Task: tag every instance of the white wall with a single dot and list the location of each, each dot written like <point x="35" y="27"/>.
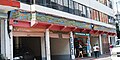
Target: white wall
<point x="60" y="46"/>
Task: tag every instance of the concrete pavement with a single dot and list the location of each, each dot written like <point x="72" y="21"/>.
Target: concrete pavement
<point x="102" y="57"/>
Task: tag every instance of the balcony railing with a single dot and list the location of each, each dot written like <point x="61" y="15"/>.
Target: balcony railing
<point x="71" y="7"/>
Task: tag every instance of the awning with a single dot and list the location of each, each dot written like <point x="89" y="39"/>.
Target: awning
<point x="57" y="27"/>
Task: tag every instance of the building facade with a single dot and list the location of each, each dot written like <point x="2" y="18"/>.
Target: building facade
<point x="5" y="7"/>
<point x="52" y="29"/>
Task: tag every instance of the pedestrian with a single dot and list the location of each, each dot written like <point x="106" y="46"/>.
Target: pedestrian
<point x="96" y="50"/>
<point x="111" y="46"/>
<point x="80" y="48"/>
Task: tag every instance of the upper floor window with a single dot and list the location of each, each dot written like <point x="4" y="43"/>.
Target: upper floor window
<point x="40" y="2"/>
<point x="75" y="8"/>
<point x="26" y="1"/>
<point x="106" y="2"/>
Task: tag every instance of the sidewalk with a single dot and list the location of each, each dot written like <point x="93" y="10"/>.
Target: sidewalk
<point x="102" y="57"/>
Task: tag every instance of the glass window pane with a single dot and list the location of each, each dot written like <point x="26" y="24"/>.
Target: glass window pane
<point x="88" y="12"/>
<point x="84" y="11"/>
<point x="80" y="9"/>
<point x="48" y="4"/>
<point x="60" y="2"/>
<point x="76" y="8"/>
<point x="65" y="3"/>
<point x="70" y="5"/>
<point x="54" y="4"/>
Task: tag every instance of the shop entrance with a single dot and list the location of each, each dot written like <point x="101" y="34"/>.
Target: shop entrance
<point x="27" y="48"/>
<point x="82" y="45"/>
<point x="82" y="40"/>
<point x="60" y="48"/>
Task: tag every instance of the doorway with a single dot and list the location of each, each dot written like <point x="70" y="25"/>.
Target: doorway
<point x="27" y="47"/>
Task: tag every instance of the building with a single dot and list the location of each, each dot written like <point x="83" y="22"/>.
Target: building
<point x="118" y="25"/>
<point x="51" y="29"/>
<point x="5" y="7"/>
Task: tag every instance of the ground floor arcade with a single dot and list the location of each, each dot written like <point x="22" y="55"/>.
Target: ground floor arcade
<point x="50" y="41"/>
<point x="45" y="44"/>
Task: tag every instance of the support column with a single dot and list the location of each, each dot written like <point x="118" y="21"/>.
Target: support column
<point x="11" y="42"/>
<point x="3" y="37"/>
<point x="101" y="48"/>
<point x="116" y="38"/>
<point x="7" y="42"/>
<point x="43" y="48"/>
<point x="109" y="39"/>
<point x="89" y="47"/>
<point x="47" y="38"/>
<point x="72" y="45"/>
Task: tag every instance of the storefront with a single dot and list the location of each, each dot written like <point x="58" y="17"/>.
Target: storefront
<point x="28" y="43"/>
<point x="57" y="32"/>
<point x="84" y="40"/>
<point x="59" y="45"/>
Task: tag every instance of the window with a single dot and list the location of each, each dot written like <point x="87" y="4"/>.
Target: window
<point x="80" y="9"/>
<point x="65" y="5"/>
<point x="26" y="1"/>
<point x="97" y="16"/>
<point x="92" y="13"/>
<point x="76" y="8"/>
<point x="54" y="4"/>
<point x="48" y="3"/>
<point x="84" y="11"/>
<point x="70" y="4"/>
<point x="60" y="4"/>
<point x="118" y="42"/>
<point x="88" y="13"/>
<point x="40" y="2"/>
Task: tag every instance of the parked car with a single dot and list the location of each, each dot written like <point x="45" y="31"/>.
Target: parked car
<point x="115" y="51"/>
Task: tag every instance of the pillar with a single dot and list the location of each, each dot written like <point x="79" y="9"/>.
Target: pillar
<point x="101" y="48"/>
<point x="109" y="39"/>
<point x="11" y="42"/>
<point x="3" y="37"/>
<point x="43" y="48"/>
<point x="47" y="42"/>
<point x="89" y="47"/>
<point x="72" y="45"/>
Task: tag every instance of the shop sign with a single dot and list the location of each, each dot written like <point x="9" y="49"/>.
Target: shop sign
<point x="60" y="20"/>
<point x="20" y="15"/>
<point x="101" y="28"/>
<point x="82" y="34"/>
<point x="24" y="15"/>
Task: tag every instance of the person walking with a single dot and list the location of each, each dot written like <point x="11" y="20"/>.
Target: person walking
<point x="80" y="50"/>
<point x="96" y="50"/>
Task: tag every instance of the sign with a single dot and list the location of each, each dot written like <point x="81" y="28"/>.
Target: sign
<point x="60" y="20"/>
<point x="82" y="34"/>
<point x="102" y="28"/>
